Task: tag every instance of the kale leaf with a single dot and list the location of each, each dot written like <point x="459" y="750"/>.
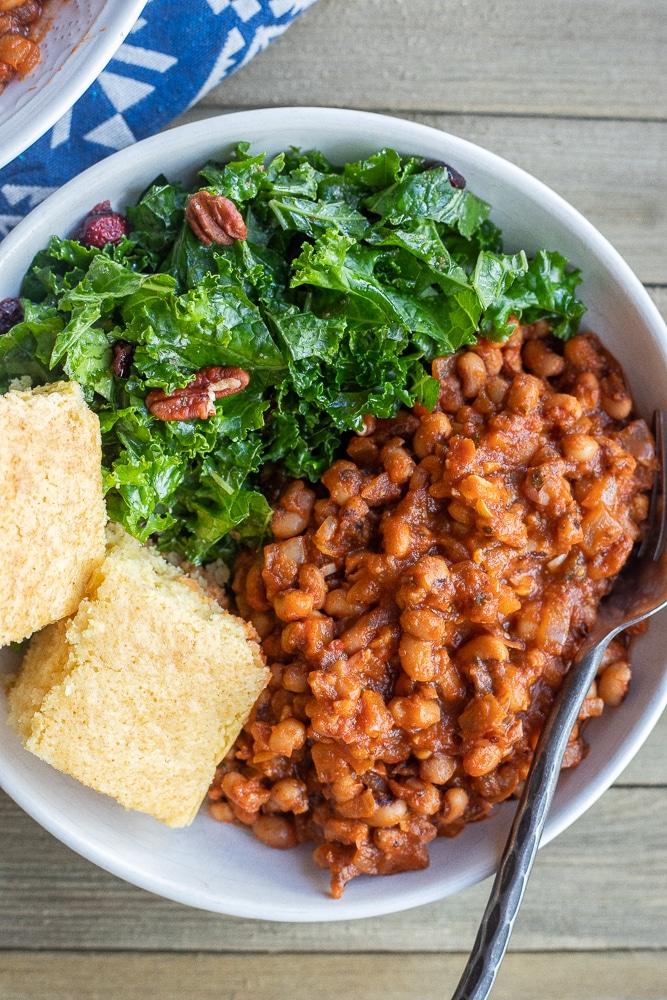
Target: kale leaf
<point x="352" y="280"/>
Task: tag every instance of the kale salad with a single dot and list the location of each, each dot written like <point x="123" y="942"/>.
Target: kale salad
<point x="350" y="280"/>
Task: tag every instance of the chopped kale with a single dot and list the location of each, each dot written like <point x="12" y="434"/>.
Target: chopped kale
<point x="352" y="280"/>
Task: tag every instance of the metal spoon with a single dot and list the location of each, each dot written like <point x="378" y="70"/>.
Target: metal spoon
<point x="640" y="592"/>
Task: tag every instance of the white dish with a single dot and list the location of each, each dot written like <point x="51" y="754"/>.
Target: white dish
<point x="81" y="38"/>
<point x="222" y="868"/>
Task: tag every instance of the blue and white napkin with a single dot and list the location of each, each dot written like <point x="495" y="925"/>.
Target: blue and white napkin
<point x="175" y="53"/>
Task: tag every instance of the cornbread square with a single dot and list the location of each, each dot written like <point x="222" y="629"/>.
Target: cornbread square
<point x="52" y="506"/>
<point x="141" y="693"/>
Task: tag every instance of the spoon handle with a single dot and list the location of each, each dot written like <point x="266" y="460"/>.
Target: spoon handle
<point x="524" y="838"/>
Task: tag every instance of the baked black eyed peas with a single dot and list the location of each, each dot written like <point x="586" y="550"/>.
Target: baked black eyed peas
<point x="19" y="52"/>
<point x="420" y="607"/>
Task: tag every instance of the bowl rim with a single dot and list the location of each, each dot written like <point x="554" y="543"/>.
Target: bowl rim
<point x="59" y="92"/>
<point x="203" y="131"/>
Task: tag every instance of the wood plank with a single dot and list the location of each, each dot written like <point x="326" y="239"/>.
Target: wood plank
<point x="629" y="975"/>
<point x="601" y="884"/>
<point x="601" y="58"/>
<point x="649" y="766"/>
<point x="659" y="296"/>
<point x="611" y="171"/>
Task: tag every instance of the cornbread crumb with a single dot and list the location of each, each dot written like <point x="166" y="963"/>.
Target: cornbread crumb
<point x="53" y="511"/>
<point x="22" y="382"/>
<point x="44" y="665"/>
<point x="141" y="693"/>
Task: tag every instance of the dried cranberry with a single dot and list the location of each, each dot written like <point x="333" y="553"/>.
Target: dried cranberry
<point x="456" y="179"/>
<point x="123" y="352"/>
<point x="102" y="226"/>
<point x="11" y="313"/>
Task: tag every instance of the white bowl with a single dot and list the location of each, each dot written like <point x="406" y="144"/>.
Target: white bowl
<point x="222" y="868"/>
<point x="81" y="37"/>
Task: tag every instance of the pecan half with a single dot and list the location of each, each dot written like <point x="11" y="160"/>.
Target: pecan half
<point x="197" y="400"/>
<point x="215" y="219"/>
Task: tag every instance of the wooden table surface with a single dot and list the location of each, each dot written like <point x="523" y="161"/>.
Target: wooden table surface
<point x="576" y="93"/>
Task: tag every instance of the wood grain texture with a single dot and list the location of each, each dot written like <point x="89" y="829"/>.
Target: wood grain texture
<point x="602" y="58"/>
<point x="659" y="296"/>
<point x="649" y="766"/>
<point x="633" y="975"/>
<point x="611" y="171"/>
<point x="601" y="884"/>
